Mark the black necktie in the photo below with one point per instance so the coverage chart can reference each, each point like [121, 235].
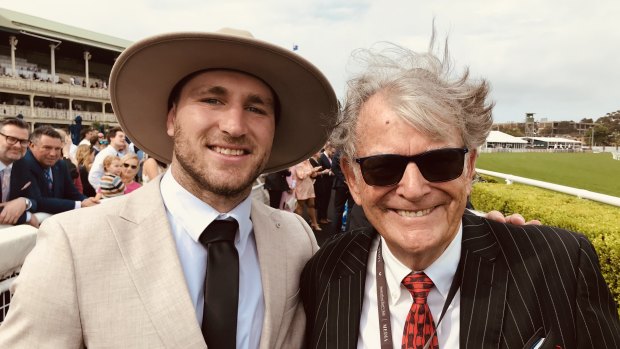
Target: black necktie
[219, 320]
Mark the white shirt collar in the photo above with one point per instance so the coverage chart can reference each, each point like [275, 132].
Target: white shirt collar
[194, 215]
[441, 271]
[3, 166]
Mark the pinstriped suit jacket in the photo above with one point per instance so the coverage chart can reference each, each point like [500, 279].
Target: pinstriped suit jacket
[520, 283]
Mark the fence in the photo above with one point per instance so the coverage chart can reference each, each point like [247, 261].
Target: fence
[580, 193]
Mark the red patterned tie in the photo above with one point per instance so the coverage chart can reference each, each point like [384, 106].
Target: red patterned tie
[419, 326]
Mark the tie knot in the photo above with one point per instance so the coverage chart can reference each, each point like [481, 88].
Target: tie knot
[419, 285]
[219, 230]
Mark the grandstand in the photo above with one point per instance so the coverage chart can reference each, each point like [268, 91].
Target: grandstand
[50, 72]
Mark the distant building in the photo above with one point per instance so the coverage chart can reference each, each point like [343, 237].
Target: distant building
[51, 72]
[501, 140]
[552, 143]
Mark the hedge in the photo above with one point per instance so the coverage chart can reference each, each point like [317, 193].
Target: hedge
[599, 222]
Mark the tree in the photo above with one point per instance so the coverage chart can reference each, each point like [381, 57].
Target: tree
[565, 128]
[602, 135]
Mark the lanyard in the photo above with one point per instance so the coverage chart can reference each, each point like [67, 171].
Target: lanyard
[383, 306]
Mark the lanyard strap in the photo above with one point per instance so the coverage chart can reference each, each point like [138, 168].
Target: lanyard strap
[383, 306]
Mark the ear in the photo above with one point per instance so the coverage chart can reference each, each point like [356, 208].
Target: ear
[172, 114]
[352, 181]
[471, 169]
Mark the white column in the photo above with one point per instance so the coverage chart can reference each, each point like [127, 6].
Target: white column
[13, 43]
[53, 62]
[87, 58]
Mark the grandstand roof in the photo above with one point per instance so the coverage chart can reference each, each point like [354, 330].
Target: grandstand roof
[553, 140]
[501, 137]
[26, 24]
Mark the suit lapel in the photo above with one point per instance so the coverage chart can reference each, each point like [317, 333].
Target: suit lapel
[144, 237]
[271, 247]
[345, 292]
[483, 290]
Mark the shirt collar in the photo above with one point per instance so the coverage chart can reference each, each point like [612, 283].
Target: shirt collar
[3, 166]
[194, 215]
[441, 271]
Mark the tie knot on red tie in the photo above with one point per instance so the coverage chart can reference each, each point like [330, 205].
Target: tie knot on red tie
[419, 285]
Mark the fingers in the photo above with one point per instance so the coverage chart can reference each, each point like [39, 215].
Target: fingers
[496, 216]
[515, 219]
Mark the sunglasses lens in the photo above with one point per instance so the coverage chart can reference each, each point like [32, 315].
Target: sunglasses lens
[441, 165]
[383, 170]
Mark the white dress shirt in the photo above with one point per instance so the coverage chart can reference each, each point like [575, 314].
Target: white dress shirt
[188, 217]
[5, 171]
[441, 272]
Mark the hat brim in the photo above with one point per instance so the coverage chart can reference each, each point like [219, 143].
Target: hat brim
[145, 73]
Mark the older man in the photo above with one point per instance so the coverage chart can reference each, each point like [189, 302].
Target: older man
[52, 185]
[428, 273]
[187, 261]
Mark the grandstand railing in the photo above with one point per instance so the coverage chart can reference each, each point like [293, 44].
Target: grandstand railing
[580, 193]
[48, 88]
[55, 114]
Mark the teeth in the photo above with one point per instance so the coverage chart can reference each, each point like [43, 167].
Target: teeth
[227, 151]
[414, 213]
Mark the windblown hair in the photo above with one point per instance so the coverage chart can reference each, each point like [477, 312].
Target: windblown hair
[421, 89]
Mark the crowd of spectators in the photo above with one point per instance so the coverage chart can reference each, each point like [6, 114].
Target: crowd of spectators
[58, 175]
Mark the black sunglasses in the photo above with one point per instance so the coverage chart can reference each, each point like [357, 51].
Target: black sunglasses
[440, 165]
[132, 166]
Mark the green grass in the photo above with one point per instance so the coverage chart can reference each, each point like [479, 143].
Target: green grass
[594, 172]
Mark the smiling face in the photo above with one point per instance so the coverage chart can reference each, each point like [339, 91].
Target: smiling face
[223, 125]
[12, 152]
[418, 219]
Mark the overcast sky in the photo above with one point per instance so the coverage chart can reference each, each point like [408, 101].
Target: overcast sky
[559, 59]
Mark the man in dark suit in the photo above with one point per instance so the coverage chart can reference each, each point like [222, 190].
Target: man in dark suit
[52, 186]
[276, 184]
[342, 196]
[15, 183]
[427, 272]
[323, 184]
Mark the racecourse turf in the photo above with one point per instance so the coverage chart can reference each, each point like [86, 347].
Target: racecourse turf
[594, 172]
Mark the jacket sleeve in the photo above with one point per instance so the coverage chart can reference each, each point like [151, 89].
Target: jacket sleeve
[597, 313]
[44, 310]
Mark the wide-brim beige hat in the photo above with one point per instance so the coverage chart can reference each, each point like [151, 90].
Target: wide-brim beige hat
[145, 73]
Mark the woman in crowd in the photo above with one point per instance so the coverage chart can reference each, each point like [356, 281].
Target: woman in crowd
[151, 169]
[304, 190]
[130, 169]
[84, 156]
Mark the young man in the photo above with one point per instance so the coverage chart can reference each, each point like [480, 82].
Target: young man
[117, 147]
[135, 273]
[428, 273]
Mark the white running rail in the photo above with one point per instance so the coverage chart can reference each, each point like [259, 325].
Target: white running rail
[580, 193]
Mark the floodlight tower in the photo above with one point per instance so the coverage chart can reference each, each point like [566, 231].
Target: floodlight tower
[530, 127]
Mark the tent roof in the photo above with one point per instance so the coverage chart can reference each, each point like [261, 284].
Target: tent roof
[501, 137]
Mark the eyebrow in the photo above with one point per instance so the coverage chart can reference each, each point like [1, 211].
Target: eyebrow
[223, 91]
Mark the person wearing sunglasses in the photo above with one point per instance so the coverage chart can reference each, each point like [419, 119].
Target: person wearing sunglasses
[428, 273]
[129, 171]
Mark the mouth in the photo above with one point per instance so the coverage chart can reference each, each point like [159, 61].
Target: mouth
[418, 213]
[228, 151]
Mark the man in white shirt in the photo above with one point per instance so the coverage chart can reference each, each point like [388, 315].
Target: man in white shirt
[188, 260]
[428, 273]
[117, 147]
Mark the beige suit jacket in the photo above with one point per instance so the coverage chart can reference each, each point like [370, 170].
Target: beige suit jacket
[110, 277]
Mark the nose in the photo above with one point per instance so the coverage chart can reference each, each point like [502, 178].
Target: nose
[233, 122]
[413, 186]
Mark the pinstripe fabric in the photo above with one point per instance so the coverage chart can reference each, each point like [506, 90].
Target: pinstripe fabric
[520, 284]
